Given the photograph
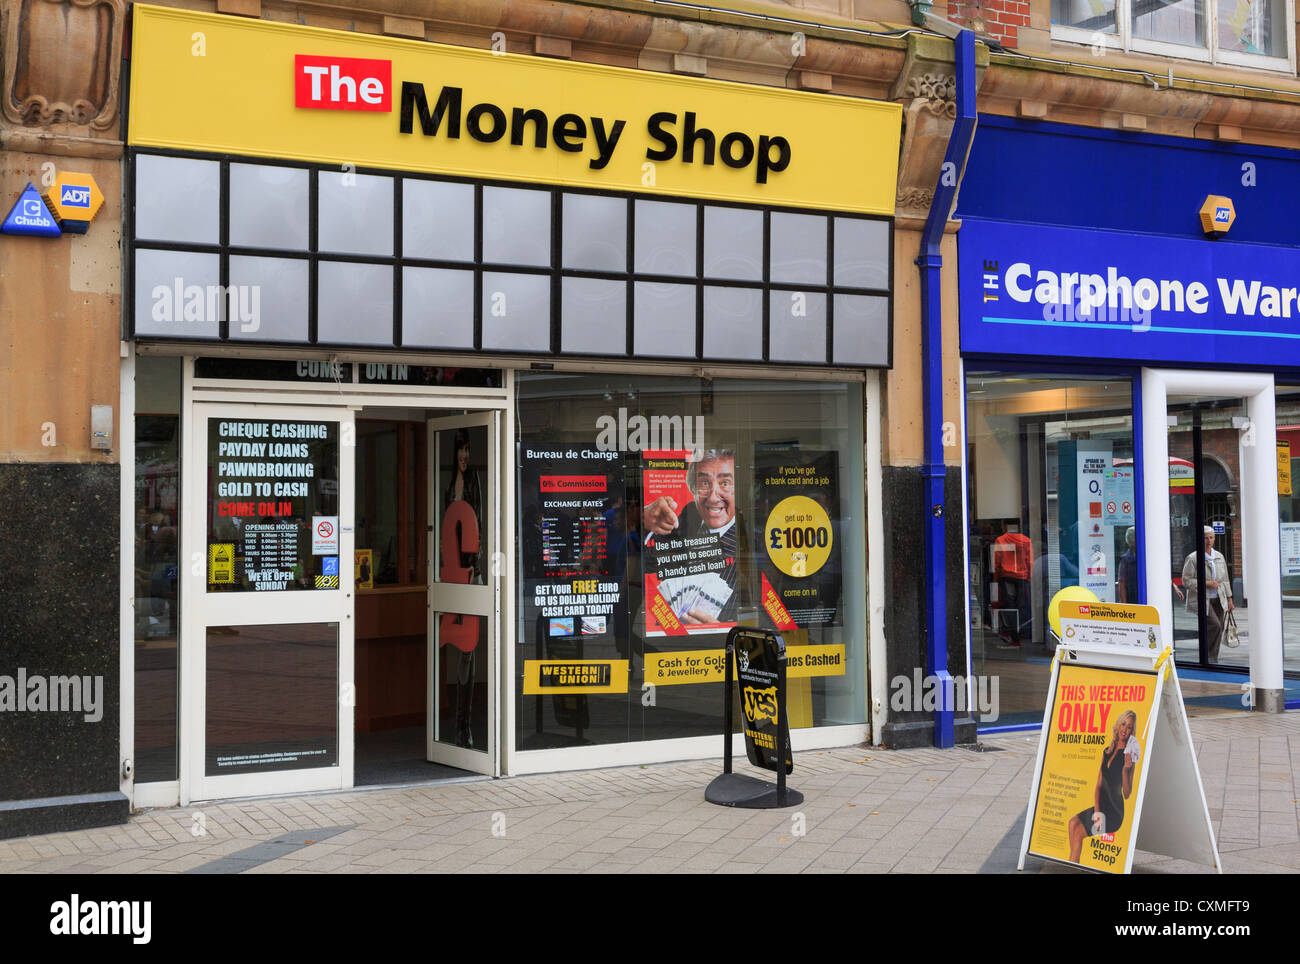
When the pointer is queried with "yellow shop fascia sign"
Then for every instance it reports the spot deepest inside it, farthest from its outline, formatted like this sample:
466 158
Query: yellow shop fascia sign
221 84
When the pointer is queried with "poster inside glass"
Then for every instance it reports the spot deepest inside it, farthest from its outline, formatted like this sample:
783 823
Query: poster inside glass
656 513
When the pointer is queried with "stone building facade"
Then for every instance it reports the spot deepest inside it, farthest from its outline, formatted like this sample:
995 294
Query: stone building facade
63 320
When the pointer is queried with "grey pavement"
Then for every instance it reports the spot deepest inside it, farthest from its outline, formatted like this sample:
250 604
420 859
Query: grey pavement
867 810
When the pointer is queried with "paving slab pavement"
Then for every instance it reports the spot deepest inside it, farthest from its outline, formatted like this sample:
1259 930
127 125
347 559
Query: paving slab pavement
866 810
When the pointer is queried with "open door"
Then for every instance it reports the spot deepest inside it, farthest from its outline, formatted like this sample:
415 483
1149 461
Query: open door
266 669
464 584
1207 538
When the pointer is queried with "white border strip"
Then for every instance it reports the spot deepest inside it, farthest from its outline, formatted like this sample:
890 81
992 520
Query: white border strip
507 643
1258 498
965 538
877 656
126 572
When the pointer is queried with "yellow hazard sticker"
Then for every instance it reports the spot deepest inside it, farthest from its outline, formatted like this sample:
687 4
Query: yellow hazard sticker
221 563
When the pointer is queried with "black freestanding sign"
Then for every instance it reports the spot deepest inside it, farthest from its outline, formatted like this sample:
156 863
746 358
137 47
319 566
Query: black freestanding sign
759 658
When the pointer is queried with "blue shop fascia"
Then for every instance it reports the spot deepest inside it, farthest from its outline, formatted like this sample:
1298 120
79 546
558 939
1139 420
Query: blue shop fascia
1130 342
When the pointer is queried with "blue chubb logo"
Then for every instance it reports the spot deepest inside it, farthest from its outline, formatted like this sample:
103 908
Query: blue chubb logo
75 195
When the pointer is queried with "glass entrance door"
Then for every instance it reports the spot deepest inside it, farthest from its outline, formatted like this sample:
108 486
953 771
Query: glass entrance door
266 662
1206 532
464 591
1288 514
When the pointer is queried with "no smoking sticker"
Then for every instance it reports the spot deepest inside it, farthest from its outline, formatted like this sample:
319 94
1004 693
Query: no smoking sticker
798 536
325 535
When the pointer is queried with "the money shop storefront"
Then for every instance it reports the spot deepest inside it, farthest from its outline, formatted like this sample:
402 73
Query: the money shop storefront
476 397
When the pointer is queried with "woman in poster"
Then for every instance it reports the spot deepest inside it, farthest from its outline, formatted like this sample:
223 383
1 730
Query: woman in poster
1114 785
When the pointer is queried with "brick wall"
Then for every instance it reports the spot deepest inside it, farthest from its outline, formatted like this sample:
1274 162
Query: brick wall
1004 18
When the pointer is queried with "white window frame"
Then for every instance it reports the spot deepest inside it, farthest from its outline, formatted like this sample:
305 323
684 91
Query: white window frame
1123 40
1261 556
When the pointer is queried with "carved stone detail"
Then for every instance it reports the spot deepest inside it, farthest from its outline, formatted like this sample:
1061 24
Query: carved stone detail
915 199
925 140
62 62
927 89
937 93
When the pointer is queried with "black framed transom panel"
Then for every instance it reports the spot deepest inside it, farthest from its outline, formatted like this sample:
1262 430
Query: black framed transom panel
228 249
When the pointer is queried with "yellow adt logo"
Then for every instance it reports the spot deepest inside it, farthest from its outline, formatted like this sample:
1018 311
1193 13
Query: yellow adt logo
74 199
1217 215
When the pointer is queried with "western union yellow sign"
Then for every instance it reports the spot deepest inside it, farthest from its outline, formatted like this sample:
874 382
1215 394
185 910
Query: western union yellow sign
565 676
206 82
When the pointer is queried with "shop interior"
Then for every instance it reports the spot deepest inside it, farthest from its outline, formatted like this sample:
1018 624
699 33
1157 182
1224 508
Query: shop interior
1035 528
403 644
394 663
1028 436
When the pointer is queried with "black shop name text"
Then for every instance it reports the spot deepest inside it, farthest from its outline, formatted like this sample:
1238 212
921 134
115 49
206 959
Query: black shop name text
673 135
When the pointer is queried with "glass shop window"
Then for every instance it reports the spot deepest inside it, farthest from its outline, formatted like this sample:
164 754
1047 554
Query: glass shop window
156 548
1051 503
657 513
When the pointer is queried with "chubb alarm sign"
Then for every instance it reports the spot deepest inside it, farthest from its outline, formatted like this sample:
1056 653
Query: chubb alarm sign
332 97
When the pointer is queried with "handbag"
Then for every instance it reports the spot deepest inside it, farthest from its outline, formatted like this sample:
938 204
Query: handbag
1230 637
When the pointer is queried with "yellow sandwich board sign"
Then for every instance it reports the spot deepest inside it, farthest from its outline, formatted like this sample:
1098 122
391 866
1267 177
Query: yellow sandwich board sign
1115 742
1086 808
